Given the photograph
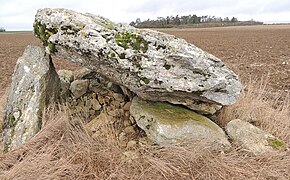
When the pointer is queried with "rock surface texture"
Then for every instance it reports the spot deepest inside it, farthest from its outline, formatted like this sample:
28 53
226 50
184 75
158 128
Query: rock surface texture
153 65
35 83
167 124
252 138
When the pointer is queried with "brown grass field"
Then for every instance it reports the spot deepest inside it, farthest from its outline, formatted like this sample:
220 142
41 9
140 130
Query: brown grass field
260 55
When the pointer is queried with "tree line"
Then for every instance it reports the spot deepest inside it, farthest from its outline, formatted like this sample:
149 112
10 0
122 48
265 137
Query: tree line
173 21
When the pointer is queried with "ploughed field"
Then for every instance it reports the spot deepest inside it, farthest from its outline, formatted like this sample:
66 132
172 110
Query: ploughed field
251 51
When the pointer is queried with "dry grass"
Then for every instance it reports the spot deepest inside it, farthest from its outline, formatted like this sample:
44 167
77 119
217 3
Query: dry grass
260 106
64 150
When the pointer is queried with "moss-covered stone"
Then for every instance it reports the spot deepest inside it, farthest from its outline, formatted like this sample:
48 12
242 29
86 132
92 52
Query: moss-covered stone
12 121
122 55
109 26
113 55
4 125
145 80
165 123
131 40
51 47
176 115
43 34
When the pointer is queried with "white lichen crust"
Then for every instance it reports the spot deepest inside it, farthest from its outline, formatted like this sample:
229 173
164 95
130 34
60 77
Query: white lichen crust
153 65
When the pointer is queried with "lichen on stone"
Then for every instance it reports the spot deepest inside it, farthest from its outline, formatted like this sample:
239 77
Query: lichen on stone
134 41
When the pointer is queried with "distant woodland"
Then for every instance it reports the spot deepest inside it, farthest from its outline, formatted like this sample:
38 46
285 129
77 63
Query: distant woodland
190 21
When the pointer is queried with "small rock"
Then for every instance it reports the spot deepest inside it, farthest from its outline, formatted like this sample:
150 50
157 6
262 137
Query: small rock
127 123
131 144
252 138
129 131
127 106
65 75
85 73
79 87
123 139
130 155
95 104
98 122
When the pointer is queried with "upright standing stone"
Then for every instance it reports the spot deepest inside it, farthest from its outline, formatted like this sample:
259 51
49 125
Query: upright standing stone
35 84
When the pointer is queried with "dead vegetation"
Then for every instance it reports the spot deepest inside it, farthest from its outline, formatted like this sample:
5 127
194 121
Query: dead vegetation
64 150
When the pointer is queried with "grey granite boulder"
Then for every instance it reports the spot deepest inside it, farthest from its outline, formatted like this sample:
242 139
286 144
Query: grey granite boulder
35 84
167 124
252 138
153 65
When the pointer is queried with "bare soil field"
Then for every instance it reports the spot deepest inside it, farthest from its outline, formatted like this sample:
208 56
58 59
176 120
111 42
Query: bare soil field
63 149
12 46
251 51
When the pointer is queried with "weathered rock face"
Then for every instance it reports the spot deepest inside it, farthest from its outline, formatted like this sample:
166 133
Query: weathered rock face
252 138
66 77
35 83
153 65
170 124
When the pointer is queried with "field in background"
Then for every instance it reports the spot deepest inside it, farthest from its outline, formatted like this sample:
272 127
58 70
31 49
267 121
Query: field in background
12 45
63 150
251 51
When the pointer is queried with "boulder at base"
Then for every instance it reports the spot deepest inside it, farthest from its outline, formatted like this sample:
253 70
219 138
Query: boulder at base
35 84
167 124
252 138
154 65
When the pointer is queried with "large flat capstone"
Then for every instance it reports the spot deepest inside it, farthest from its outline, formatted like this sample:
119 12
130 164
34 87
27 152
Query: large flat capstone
154 65
35 84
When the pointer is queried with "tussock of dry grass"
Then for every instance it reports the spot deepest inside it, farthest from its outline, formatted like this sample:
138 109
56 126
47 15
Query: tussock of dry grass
64 150
259 106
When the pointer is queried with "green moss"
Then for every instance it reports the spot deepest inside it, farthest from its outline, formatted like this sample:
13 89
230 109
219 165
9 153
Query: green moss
167 66
113 55
176 115
145 80
12 121
275 142
51 47
139 66
122 56
130 40
36 28
4 125
109 26
43 34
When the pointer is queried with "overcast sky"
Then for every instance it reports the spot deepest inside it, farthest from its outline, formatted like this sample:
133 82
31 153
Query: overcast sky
19 14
